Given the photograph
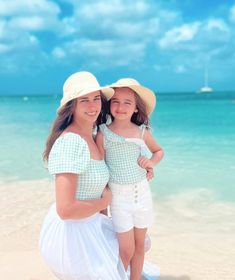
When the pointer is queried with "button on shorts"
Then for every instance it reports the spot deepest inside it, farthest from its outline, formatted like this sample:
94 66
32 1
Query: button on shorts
131 206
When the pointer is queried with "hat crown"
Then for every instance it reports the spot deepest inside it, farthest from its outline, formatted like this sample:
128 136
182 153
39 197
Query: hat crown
80 81
80 84
127 82
147 95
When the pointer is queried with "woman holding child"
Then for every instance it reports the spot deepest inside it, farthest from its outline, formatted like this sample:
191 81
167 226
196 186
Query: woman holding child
77 241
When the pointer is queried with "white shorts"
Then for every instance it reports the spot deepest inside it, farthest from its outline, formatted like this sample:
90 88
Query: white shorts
131 206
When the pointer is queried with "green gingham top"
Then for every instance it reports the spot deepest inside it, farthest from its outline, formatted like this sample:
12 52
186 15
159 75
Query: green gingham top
70 154
121 156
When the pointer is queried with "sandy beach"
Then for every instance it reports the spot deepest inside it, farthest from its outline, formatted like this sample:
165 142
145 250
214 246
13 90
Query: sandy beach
193 237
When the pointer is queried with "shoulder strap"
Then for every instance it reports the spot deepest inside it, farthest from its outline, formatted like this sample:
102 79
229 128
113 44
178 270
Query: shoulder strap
142 132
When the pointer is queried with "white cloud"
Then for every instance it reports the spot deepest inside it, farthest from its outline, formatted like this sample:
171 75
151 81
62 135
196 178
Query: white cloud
232 13
137 30
119 31
29 23
180 69
58 53
122 32
180 34
110 33
122 19
106 52
114 9
2 28
25 7
4 48
69 27
18 22
100 9
34 15
214 34
33 40
218 24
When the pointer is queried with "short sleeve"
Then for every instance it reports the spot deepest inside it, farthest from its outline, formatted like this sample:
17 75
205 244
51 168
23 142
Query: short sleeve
69 154
110 136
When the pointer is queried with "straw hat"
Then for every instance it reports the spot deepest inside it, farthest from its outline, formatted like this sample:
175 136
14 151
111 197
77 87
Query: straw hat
144 93
82 83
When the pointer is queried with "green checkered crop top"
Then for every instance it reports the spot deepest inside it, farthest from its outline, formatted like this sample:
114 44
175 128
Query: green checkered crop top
121 155
70 154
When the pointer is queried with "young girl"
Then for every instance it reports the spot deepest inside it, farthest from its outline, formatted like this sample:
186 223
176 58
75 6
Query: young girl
124 143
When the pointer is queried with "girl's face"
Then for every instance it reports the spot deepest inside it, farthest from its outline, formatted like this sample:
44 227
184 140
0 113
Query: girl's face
88 107
123 103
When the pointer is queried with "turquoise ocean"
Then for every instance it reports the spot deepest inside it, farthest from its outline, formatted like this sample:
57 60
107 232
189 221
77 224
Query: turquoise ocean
196 131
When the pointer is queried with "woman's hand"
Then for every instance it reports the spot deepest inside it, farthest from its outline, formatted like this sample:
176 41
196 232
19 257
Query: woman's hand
106 197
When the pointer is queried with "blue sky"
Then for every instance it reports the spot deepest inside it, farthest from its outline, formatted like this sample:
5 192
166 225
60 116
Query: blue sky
163 44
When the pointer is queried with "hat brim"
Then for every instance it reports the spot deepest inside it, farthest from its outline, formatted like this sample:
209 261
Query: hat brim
147 95
107 91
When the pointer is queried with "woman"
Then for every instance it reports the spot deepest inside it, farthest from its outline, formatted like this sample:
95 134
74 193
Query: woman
77 241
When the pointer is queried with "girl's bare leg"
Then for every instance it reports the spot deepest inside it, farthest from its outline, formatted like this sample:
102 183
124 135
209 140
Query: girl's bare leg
126 246
137 260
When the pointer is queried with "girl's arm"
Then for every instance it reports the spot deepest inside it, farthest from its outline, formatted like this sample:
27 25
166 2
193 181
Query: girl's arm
157 152
100 142
68 207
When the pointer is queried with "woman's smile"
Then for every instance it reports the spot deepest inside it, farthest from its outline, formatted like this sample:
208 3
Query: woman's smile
93 113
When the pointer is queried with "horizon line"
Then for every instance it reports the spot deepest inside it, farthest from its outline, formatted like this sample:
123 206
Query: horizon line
59 95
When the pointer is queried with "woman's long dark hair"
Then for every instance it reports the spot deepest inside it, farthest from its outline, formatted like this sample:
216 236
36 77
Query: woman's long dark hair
104 114
65 118
62 121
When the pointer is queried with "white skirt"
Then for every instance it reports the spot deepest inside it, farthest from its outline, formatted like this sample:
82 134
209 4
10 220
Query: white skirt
85 249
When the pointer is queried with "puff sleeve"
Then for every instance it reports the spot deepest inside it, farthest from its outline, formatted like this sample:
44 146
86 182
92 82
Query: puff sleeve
69 154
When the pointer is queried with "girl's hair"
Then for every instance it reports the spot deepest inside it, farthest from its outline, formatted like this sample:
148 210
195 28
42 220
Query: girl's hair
64 119
140 117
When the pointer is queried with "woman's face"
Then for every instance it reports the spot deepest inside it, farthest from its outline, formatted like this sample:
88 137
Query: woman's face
88 107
